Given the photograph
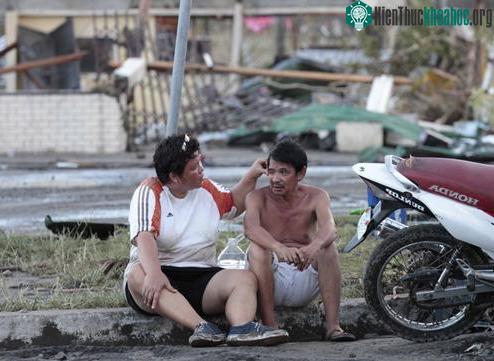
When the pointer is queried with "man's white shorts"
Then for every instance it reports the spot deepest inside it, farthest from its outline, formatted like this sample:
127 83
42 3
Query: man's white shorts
294 288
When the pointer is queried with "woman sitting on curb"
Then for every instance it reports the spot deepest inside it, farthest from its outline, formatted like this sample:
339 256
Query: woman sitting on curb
172 271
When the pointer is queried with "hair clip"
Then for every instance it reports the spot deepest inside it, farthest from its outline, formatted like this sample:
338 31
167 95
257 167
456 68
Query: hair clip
186 140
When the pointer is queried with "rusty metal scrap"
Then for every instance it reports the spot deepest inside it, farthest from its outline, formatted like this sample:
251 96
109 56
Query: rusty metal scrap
8 48
28 65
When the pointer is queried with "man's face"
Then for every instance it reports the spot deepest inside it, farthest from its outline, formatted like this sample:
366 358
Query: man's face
193 173
282 177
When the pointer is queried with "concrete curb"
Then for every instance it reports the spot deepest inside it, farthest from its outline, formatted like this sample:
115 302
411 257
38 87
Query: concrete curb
123 326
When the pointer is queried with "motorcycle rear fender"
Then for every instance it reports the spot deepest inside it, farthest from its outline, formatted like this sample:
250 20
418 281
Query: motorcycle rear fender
385 207
464 222
378 173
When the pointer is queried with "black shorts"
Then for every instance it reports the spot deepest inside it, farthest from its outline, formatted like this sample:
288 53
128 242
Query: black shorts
191 282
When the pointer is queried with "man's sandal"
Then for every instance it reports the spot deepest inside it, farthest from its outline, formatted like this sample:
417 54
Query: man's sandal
338 335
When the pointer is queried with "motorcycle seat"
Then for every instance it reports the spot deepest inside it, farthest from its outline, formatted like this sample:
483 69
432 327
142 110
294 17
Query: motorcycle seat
462 181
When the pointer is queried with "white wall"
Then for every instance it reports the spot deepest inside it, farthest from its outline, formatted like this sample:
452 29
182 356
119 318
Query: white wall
82 123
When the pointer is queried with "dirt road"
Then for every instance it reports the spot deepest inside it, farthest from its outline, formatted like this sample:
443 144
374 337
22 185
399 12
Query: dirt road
375 349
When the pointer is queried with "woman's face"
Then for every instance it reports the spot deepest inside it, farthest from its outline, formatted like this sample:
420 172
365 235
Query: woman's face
193 174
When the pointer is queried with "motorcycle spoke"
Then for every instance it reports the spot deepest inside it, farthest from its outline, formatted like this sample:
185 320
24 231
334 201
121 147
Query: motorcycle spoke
424 260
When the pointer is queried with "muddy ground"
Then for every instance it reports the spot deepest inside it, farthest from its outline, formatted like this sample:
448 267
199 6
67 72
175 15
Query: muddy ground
480 348
104 194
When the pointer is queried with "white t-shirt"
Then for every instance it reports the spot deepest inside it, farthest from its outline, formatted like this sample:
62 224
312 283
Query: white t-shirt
185 228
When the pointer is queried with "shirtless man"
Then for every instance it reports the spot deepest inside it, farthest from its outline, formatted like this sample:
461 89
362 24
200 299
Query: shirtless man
293 234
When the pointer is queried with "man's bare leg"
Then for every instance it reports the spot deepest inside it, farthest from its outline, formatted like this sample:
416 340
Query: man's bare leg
235 293
260 260
171 305
328 267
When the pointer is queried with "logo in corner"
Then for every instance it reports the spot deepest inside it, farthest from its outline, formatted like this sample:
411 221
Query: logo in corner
358 15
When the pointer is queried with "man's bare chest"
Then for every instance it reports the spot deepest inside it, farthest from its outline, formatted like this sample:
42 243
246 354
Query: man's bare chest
287 222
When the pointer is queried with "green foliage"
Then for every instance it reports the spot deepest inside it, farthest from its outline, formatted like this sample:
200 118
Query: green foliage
371 41
420 46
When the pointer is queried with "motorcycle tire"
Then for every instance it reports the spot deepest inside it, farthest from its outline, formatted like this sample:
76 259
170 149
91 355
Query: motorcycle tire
415 236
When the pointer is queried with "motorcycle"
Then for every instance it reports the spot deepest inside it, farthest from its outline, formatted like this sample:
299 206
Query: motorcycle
433 281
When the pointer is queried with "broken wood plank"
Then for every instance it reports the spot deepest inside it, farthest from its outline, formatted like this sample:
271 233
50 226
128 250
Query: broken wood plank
8 48
28 65
288 74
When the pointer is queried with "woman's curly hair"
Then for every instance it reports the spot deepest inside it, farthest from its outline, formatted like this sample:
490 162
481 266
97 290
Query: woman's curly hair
172 155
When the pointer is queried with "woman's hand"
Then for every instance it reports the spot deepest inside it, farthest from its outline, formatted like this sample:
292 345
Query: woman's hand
153 284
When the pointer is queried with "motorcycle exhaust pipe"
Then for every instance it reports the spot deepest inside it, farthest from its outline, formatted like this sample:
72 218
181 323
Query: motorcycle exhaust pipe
485 275
470 273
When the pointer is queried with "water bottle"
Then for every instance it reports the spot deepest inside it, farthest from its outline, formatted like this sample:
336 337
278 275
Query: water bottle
232 256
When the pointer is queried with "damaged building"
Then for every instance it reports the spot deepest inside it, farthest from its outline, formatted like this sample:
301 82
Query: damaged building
252 68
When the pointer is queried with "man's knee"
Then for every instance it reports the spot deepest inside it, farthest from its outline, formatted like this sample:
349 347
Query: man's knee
328 257
330 253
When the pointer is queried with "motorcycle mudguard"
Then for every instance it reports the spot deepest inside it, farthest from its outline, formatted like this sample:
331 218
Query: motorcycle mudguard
379 213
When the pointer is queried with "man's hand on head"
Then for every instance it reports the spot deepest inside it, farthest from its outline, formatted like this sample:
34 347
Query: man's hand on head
258 168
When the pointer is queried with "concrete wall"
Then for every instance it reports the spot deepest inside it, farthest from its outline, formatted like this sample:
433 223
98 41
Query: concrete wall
78 122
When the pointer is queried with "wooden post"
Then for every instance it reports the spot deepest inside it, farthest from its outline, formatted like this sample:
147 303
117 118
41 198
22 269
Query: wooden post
142 18
11 24
280 39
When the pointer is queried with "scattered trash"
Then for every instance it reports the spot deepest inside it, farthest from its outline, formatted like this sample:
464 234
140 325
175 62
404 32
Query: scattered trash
82 229
67 165
60 356
484 325
476 347
7 273
114 265
232 255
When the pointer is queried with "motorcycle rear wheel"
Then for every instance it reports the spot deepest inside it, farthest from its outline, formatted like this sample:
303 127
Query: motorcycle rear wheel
418 250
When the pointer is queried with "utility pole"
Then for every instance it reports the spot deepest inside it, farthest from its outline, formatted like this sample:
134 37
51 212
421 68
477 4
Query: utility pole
178 66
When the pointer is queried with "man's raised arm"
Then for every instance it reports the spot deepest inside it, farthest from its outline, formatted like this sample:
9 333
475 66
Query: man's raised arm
247 184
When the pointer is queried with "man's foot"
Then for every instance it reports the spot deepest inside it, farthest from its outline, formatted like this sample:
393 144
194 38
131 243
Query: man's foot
256 334
207 334
338 335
